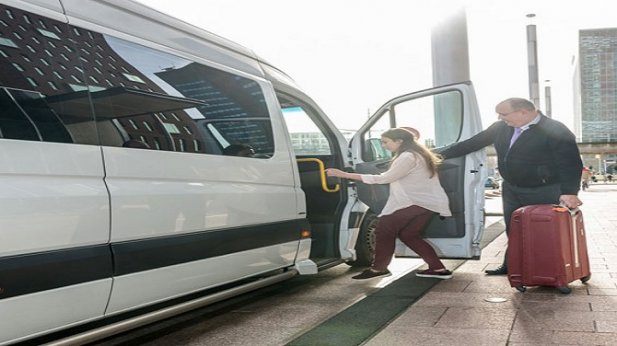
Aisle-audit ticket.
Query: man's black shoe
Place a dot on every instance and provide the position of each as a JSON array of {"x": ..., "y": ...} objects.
[{"x": 501, "y": 270}]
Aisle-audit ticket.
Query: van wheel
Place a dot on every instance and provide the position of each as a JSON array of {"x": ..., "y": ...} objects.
[{"x": 365, "y": 245}]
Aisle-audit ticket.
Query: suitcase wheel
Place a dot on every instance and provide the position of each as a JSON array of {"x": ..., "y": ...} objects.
[
  {"x": 584, "y": 279},
  {"x": 521, "y": 288},
  {"x": 564, "y": 290}
]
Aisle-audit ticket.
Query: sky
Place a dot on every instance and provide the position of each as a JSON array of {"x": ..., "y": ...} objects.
[{"x": 351, "y": 56}]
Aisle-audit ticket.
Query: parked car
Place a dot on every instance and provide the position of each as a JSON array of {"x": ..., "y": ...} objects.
[{"x": 491, "y": 183}]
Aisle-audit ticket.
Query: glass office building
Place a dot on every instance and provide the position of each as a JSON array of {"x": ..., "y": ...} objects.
[{"x": 596, "y": 76}]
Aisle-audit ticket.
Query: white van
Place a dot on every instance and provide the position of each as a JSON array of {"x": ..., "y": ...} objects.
[{"x": 143, "y": 159}]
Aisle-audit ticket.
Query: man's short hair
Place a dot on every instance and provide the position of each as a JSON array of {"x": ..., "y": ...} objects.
[{"x": 517, "y": 103}]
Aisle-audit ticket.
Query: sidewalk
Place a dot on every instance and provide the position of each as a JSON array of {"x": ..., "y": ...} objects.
[{"x": 457, "y": 311}]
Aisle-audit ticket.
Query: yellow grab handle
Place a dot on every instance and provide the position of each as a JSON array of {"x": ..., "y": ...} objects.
[{"x": 322, "y": 175}]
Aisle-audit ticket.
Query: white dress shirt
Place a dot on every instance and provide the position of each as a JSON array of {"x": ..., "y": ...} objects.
[
  {"x": 533, "y": 122},
  {"x": 411, "y": 184}
]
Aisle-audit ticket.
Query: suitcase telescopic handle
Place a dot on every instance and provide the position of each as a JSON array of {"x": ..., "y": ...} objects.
[
  {"x": 564, "y": 207},
  {"x": 574, "y": 228}
]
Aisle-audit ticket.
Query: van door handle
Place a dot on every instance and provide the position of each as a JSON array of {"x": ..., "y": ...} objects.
[
  {"x": 474, "y": 171},
  {"x": 322, "y": 174}
]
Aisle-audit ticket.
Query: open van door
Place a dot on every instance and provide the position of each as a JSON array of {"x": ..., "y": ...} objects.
[{"x": 441, "y": 116}]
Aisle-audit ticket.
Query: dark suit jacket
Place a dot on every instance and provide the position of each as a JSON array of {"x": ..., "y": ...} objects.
[{"x": 544, "y": 154}]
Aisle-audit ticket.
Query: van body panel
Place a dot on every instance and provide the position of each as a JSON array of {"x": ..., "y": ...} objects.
[
  {"x": 53, "y": 197},
  {"x": 193, "y": 192},
  {"x": 45, "y": 312},
  {"x": 48, "y": 8},
  {"x": 53, "y": 202},
  {"x": 169, "y": 282}
]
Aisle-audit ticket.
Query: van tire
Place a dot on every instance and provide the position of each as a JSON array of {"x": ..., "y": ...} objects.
[{"x": 365, "y": 245}]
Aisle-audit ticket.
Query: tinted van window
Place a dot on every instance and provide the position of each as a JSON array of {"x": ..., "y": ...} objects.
[
  {"x": 39, "y": 69},
  {"x": 78, "y": 86},
  {"x": 167, "y": 102}
]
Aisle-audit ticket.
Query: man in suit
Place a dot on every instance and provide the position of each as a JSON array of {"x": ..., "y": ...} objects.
[{"x": 537, "y": 156}]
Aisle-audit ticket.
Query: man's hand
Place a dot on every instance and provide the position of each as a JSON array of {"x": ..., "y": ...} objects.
[{"x": 571, "y": 201}]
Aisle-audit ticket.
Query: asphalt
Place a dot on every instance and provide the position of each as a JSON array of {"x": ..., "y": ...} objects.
[
  {"x": 330, "y": 309},
  {"x": 475, "y": 309}
]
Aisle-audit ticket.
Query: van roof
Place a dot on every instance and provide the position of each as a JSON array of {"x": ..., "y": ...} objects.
[{"x": 152, "y": 25}]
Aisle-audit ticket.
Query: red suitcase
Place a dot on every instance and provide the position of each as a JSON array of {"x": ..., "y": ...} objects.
[{"x": 547, "y": 247}]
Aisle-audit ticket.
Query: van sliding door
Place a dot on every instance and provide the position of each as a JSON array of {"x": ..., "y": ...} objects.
[
  {"x": 55, "y": 262},
  {"x": 201, "y": 193}
]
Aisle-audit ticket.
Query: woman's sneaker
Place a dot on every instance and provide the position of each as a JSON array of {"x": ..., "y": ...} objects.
[{"x": 429, "y": 273}]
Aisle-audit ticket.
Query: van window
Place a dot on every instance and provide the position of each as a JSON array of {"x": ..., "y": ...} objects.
[
  {"x": 171, "y": 103},
  {"x": 48, "y": 123},
  {"x": 118, "y": 93},
  {"x": 15, "y": 124},
  {"x": 33, "y": 85},
  {"x": 306, "y": 138},
  {"x": 437, "y": 118},
  {"x": 372, "y": 150}
]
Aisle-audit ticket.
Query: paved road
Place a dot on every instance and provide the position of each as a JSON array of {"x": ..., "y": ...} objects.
[
  {"x": 277, "y": 314},
  {"x": 271, "y": 316},
  {"x": 457, "y": 312}
]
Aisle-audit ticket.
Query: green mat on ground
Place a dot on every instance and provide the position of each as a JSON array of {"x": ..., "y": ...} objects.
[{"x": 362, "y": 320}]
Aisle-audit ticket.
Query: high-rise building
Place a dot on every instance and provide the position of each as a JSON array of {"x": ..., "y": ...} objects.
[{"x": 596, "y": 83}]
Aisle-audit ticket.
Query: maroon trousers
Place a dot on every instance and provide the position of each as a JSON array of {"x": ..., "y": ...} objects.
[{"x": 407, "y": 224}]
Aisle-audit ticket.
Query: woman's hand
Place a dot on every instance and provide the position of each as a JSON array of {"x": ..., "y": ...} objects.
[{"x": 333, "y": 172}]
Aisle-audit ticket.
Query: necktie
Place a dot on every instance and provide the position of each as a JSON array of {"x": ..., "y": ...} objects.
[{"x": 515, "y": 135}]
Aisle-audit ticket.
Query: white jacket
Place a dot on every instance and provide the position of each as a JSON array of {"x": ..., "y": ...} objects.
[{"x": 411, "y": 184}]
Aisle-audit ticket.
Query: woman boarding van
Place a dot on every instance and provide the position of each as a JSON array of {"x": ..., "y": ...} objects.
[{"x": 144, "y": 159}]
